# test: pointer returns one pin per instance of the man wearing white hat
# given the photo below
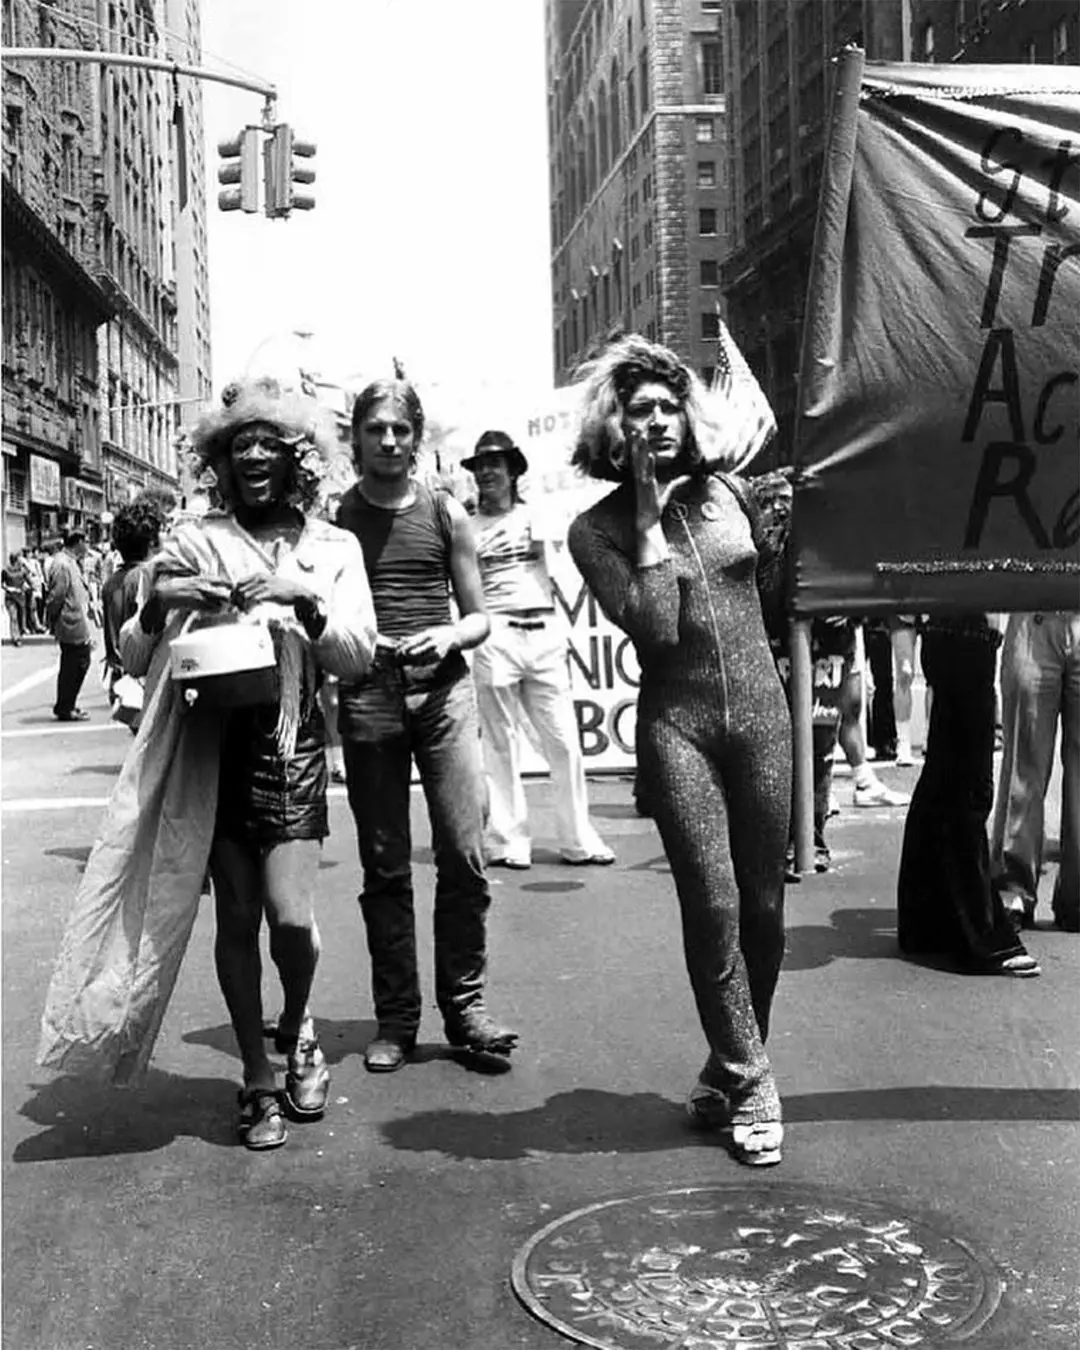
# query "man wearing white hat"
(523, 667)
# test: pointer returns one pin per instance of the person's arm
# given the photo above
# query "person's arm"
(59, 586)
(472, 625)
(641, 599)
(346, 644)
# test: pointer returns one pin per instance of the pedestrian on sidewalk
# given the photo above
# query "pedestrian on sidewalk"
(1040, 691)
(867, 788)
(67, 610)
(243, 787)
(946, 904)
(16, 586)
(136, 534)
(523, 669)
(670, 557)
(417, 702)
(35, 595)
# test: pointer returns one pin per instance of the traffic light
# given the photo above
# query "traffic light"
(240, 165)
(281, 172)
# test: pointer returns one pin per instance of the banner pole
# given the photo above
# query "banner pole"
(817, 363)
(802, 728)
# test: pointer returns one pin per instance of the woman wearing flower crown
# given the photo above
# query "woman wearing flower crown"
(241, 790)
(672, 556)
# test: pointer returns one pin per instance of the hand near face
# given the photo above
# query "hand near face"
(651, 495)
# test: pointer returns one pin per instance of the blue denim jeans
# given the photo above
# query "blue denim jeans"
(386, 722)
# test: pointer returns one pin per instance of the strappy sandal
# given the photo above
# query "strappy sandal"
(756, 1144)
(261, 1124)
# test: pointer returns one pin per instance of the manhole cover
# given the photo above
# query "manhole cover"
(732, 1268)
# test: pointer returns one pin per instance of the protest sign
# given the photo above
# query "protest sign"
(604, 673)
(938, 446)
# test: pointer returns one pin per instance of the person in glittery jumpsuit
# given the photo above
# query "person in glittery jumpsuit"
(670, 558)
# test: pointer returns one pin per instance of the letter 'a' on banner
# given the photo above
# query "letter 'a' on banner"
(938, 439)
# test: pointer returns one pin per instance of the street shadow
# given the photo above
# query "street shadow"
(78, 855)
(593, 1121)
(84, 1120)
(341, 1038)
(658, 864)
(866, 934)
(552, 887)
(615, 811)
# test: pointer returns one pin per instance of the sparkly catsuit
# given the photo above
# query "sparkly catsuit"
(714, 743)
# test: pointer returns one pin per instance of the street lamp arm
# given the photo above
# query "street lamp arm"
(107, 58)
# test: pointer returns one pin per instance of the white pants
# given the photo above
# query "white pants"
(526, 670)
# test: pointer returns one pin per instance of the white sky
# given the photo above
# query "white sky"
(429, 238)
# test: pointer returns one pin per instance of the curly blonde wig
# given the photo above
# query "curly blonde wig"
(608, 383)
(299, 418)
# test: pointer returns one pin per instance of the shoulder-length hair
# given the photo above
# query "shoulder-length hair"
(608, 382)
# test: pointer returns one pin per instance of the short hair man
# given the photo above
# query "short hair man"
(416, 702)
(67, 611)
(523, 668)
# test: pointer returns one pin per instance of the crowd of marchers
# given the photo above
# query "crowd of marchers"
(432, 633)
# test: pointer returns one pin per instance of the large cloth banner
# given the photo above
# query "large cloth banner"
(938, 445)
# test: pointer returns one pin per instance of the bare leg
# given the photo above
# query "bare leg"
(289, 872)
(238, 895)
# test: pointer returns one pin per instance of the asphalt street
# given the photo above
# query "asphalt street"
(135, 1221)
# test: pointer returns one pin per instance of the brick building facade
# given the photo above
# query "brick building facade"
(638, 173)
(99, 348)
(780, 88)
(53, 301)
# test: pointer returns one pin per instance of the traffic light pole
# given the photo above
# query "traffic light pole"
(108, 58)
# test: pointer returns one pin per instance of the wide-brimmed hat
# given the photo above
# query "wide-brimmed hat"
(498, 443)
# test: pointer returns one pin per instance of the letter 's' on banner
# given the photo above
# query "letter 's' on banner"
(938, 443)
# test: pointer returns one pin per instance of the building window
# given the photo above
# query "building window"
(704, 129)
(707, 220)
(643, 78)
(1061, 42)
(706, 173)
(708, 375)
(646, 187)
(649, 285)
(648, 234)
(712, 70)
(710, 6)
(631, 103)
(710, 323)
(710, 272)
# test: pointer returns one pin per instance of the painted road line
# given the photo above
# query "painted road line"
(23, 805)
(53, 804)
(67, 729)
(28, 682)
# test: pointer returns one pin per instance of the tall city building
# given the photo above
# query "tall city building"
(54, 303)
(138, 347)
(780, 68)
(637, 161)
(106, 316)
(183, 42)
